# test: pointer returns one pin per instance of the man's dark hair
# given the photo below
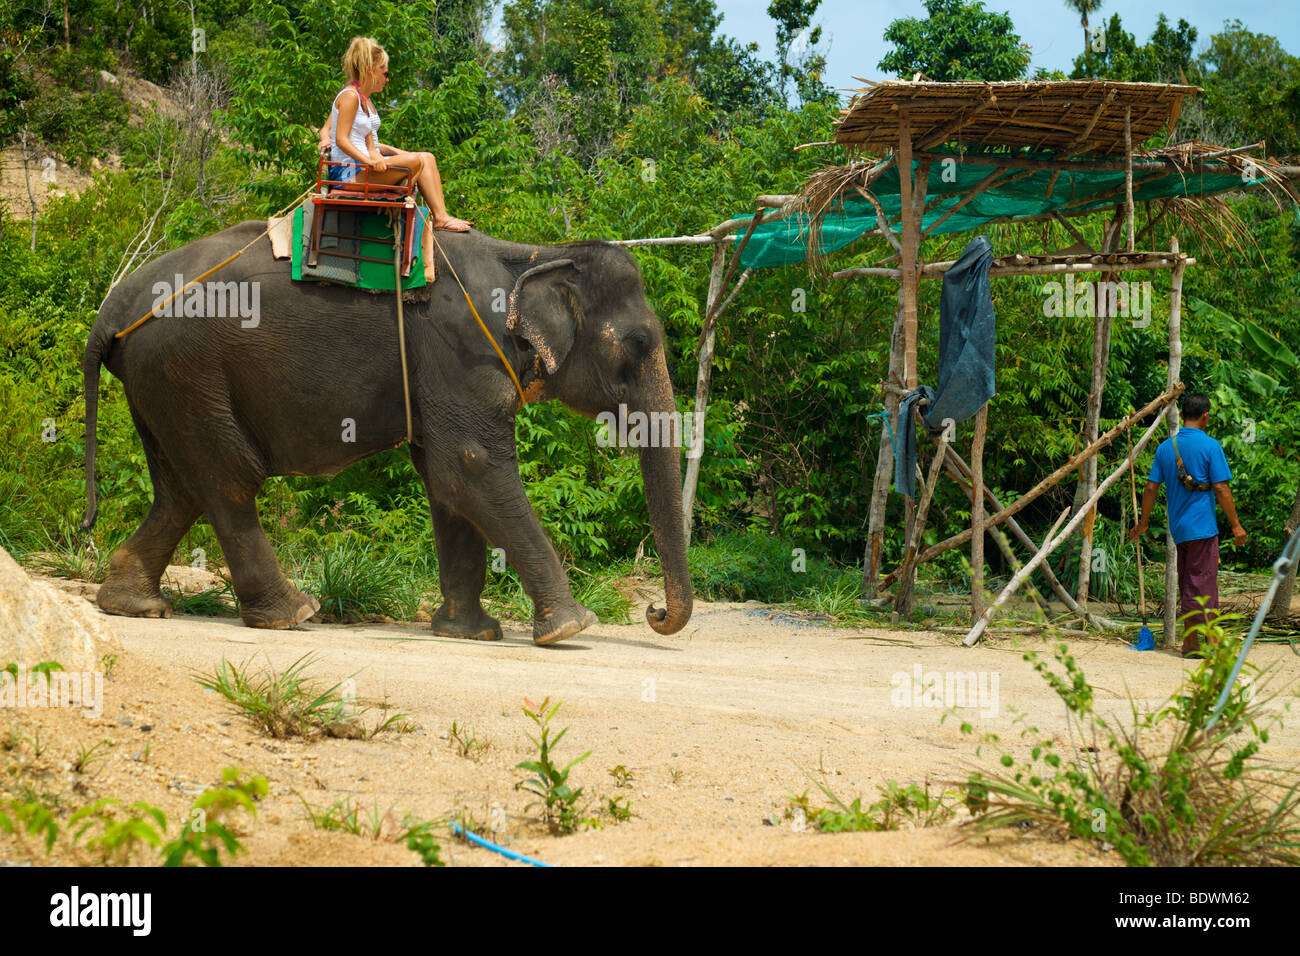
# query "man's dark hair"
(1195, 405)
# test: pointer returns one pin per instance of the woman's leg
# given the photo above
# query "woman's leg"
(431, 186)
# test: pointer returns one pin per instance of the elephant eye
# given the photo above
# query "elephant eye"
(636, 343)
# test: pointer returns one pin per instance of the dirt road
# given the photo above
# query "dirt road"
(718, 726)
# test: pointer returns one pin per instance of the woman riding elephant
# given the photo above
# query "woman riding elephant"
(351, 133)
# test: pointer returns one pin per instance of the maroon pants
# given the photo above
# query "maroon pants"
(1198, 577)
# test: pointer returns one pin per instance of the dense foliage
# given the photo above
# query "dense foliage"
(550, 138)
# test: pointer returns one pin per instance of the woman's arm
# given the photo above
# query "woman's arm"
(323, 135)
(376, 158)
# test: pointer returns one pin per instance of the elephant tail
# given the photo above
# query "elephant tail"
(96, 347)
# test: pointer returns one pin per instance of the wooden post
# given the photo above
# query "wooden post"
(1101, 328)
(1175, 372)
(702, 388)
(1128, 175)
(907, 265)
(884, 462)
(907, 581)
(1053, 540)
(977, 514)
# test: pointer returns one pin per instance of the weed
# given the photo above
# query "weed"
(38, 748)
(675, 775)
(213, 602)
(622, 776)
(35, 818)
(597, 592)
(1173, 788)
(280, 705)
(465, 742)
(353, 580)
(205, 834)
(119, 839)
(618, 809)
(837, 600)
(108, 663)
(87, 756)
(897, 805)
(419, 840)
(549, 782)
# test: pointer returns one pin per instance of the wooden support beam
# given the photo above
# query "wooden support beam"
(935, 270)
(1160, 401)
(884, 475)
(1197, 167)
(975, 190)
(1054, 541)
(962, 475)
(910, 241)
(702, 375)
(978, 627)
(1174, 371)
(881, 222)
(977, 514)
(1128, 176)
(907, 582)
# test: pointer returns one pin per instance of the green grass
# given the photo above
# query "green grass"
(287, 704)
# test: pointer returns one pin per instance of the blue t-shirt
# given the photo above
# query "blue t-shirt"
(1191, 513)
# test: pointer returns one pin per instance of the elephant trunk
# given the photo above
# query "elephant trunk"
(661, 472)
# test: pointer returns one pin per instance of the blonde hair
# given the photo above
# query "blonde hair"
(364, 56)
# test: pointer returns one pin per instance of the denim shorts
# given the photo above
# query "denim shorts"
(341, 174)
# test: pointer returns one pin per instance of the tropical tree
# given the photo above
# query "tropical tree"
(959, 40)
(1083, 8)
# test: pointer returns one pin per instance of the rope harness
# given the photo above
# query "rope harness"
(397, 282)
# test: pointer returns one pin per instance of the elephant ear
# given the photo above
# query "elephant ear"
(544, 310)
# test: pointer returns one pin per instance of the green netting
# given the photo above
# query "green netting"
(786, 241)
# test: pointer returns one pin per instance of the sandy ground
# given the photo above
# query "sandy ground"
(719, 726)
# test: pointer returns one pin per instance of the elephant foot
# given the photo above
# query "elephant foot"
(117, 597)
(471, 627)
(289, 609)
(562, 624)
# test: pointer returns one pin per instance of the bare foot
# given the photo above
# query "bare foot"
(451, 224)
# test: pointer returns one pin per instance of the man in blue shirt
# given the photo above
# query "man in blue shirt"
(1191, 492)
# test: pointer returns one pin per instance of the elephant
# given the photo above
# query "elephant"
(223, 403)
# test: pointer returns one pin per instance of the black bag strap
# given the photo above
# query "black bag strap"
(1184, 477)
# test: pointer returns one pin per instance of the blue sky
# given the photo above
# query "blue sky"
(852, 28)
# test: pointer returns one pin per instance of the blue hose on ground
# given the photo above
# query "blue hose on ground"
(473, 837)
(1281, 567)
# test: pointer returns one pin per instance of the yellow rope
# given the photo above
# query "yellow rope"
(222, 264)
(501, 355)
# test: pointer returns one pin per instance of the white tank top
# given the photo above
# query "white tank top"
(363, 124)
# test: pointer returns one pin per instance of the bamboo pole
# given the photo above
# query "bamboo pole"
(981, 186)
(884, 462)
(1175, 370)
(977, 514)
(1101, 328)
(906, 587)
(1017, 579)
(907, 266)
(999, 538)
(702, 376)
(935, 270)
(957, 540)
(1054, 541)
(1128, 175)
(961, 473)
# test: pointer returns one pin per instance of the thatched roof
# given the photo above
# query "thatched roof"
(1073, 117)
